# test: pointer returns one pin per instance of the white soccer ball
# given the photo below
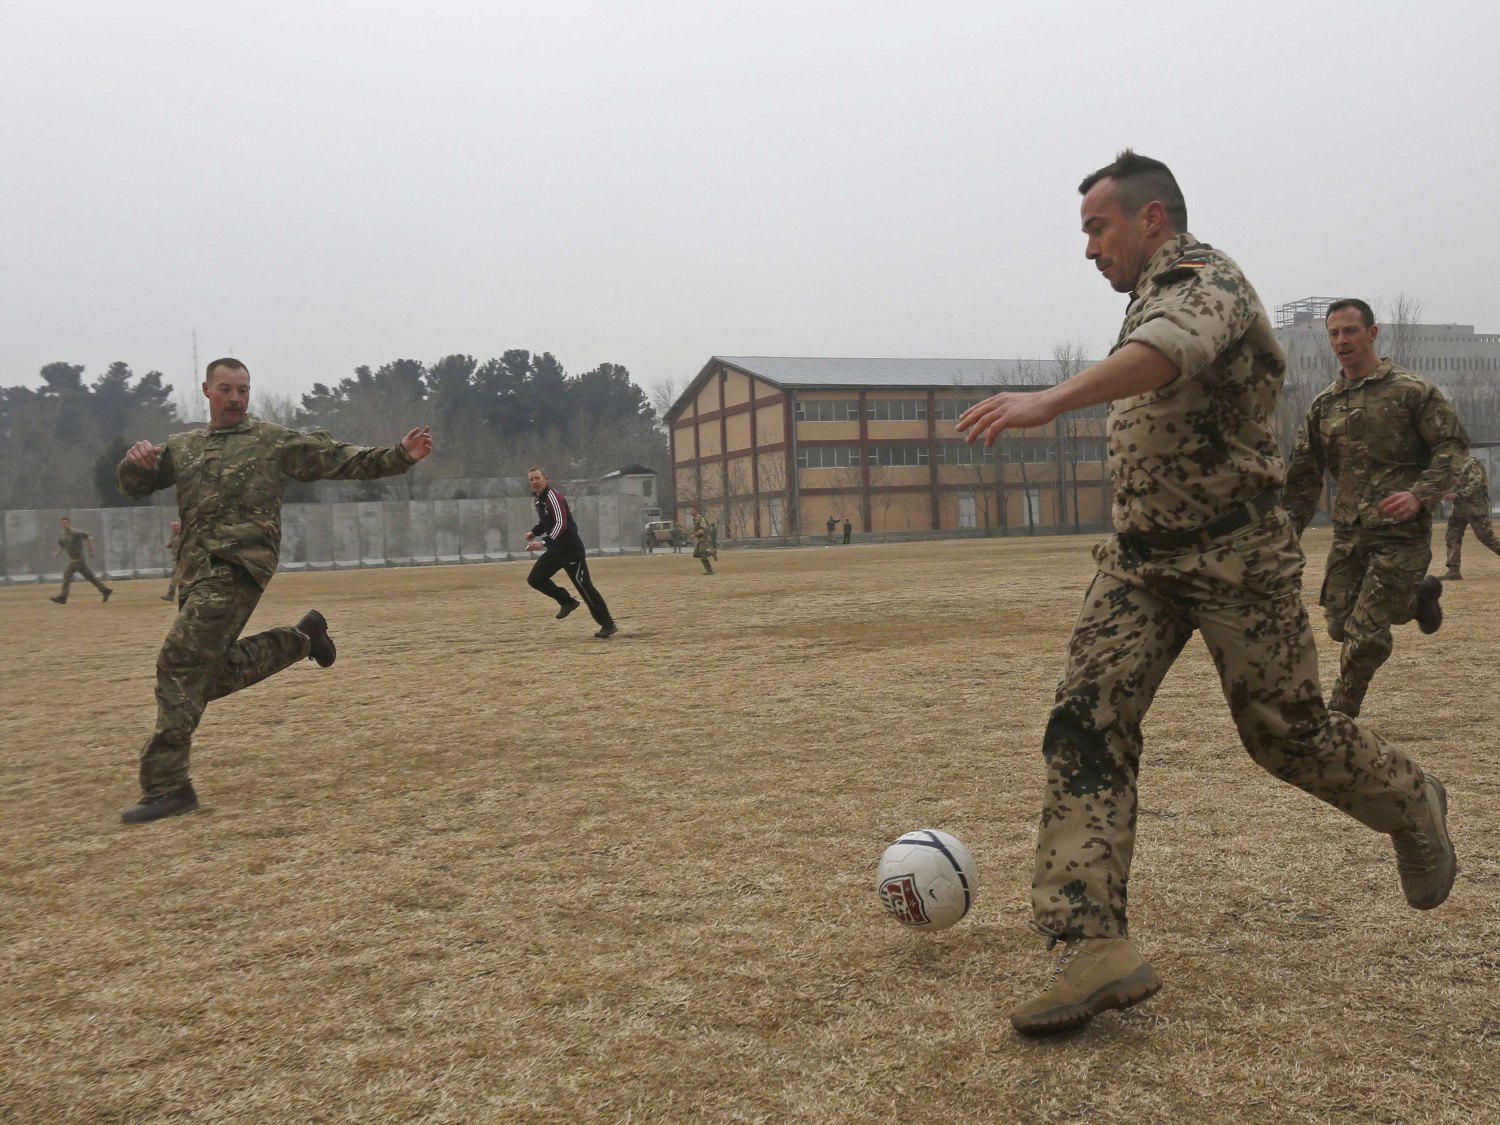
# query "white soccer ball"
(927, 880)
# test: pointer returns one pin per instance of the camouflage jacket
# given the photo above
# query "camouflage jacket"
(1186, 452)
(1391, 431)
(230, 484)
(72, 542)
(700, 528)
(1473, 489)
(174, 541)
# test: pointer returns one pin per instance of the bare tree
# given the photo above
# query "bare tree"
(1070, 358)
(1400, 315)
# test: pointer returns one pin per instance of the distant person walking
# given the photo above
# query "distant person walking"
(174, 542)
(702, 541)
(848, 530)
(556, 536)
(74, 543)
(230, 478)
(832, 527)
(1471, 508)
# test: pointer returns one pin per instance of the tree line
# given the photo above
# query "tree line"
(60, 442)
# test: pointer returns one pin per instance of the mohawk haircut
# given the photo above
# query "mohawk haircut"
(1139, 181)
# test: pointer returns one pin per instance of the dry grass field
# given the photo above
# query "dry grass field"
(490, 869)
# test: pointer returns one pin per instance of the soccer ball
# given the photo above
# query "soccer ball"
(927, 880)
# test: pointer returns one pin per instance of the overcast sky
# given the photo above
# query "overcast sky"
(314, 186)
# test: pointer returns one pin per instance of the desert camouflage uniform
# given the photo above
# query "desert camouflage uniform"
(72, 541)
(702, 542)
(1392, 431)
(1471, 508)
(1197, 449)
(174, 542)
(229, 488)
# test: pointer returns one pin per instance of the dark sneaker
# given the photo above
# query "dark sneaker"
(1453, 576)
(607, 631)
(1429, 612)
(59, 599)
(320, 646)
(182, 800)
(1093, 975)
(1424, 854)
(107, 593)
(568, 608)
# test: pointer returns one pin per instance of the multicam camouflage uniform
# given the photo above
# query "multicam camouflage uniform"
(1189, 460)
(229, 488)
(1471, 508)
(702, 542)
(1392, 431)
(174, 543)
(72, 542)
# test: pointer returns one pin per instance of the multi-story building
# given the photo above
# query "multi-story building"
(775, 446)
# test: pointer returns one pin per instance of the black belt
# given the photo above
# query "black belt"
(1242, 515)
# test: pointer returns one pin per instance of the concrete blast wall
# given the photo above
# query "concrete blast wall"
(131, 542)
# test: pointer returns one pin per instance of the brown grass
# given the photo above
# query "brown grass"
(491, 869)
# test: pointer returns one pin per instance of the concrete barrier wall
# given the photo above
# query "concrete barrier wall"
(131, 542)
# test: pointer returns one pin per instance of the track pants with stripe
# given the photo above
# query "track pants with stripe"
(575, 560)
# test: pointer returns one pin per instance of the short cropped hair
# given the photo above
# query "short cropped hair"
(1366, 313)
(228, 361)
(1141, 180)
(537, 469)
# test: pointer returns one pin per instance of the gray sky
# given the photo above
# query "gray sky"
(317, 185)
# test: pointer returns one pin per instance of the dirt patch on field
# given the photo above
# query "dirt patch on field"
(488, 868)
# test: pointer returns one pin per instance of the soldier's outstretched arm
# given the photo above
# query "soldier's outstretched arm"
(1132, 370)
(145, 469)
(317, 456)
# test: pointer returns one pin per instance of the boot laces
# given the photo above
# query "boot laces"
(1068, 954)
(1415, 854)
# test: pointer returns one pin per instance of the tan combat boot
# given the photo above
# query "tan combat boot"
(1093, 975)
(1424, 854)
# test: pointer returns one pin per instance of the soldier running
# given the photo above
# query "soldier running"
(230, 479)
(74, 542)
(1203, 545)
(174, 542)
(1471, 508)
(703, 548)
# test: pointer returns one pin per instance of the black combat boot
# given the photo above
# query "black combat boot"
(1429, 612)
(182, 800)
(607, 631)
(320, 646)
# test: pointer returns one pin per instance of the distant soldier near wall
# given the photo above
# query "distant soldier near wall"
(174, 543)
(703, 547)
(1471, 508)
(74, 543)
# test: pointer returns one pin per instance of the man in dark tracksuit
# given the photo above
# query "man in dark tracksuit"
(556, 536)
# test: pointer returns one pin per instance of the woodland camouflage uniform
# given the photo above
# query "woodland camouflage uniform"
(1392, 431)
(174, 544)
(72, 542)
(1471, 508)
(1189, 460)
(230, 484)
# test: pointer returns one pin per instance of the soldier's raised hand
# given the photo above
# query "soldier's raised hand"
(418, 443)
(143, 455)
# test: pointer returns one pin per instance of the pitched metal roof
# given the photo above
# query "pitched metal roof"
(810, 372)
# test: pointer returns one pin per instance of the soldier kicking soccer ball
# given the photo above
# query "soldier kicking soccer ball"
(230, 478)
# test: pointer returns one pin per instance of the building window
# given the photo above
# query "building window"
(1030, 451)
(893, 456)
(898, 409)
(828, 410)
(827, 456)
(948, 409)
(962, 453)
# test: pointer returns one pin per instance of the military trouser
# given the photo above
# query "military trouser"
(1243, 594)
(574, 559)
(1371, 585)
(703, 550)
(203, 659)
(1457, 524)
(78, 566)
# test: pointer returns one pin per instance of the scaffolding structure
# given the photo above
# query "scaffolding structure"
(1303, 313)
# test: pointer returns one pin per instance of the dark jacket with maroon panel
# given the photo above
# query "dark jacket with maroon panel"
(554, 521)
